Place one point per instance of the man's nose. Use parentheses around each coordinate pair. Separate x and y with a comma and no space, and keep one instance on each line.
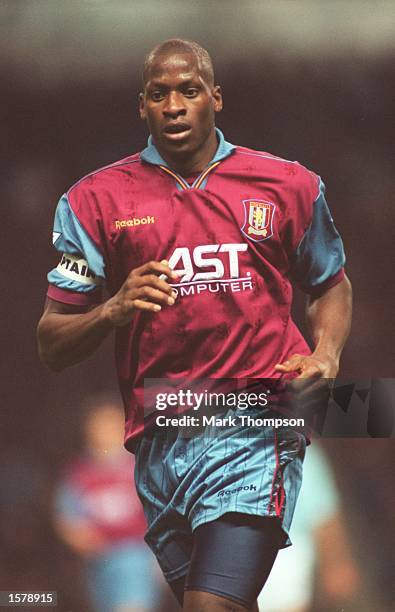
(175,105)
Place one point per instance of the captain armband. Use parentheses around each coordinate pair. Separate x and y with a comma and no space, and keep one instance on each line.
(75,268)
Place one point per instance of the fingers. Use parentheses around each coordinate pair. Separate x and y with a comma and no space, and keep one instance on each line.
(152,281)
(145,289)
(306,365)
(147,284)
(153,274)
(159,268)
(150,294)
(147,306)
(293,364)
(310,371)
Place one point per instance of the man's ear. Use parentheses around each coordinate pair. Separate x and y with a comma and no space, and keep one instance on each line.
(143,114)
(218,102)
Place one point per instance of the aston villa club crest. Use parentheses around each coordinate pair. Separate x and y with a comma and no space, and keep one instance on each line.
(258,223)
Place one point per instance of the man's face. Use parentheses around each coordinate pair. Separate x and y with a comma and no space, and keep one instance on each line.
(179,106)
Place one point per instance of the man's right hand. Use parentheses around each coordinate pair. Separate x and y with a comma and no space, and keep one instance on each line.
(68,334)
(144,290)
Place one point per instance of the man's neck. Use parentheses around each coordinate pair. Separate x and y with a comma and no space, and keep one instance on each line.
(197,162)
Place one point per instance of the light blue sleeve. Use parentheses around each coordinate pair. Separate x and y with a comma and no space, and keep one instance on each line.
(320,254)
(81,267)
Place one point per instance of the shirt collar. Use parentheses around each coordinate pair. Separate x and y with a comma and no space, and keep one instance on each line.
(151,154)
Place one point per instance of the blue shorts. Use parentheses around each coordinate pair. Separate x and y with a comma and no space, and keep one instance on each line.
(184,482)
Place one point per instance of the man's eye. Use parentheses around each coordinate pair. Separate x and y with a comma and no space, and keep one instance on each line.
(191,92)
(157,96)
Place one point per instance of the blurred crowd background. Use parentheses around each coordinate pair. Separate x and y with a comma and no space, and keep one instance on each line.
(306,80)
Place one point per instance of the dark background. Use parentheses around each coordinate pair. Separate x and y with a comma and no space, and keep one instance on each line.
(69,85)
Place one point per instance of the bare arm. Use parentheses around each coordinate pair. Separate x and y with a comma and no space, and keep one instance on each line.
(329,317)
(69,334)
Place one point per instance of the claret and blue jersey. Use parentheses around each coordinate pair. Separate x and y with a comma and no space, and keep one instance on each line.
(237,235)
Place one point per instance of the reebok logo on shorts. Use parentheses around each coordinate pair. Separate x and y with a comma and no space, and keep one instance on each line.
(237,490)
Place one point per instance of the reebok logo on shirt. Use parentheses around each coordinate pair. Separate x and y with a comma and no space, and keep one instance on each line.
(122,223)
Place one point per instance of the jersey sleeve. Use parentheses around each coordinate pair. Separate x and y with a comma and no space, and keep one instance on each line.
(80,274)
(319,259)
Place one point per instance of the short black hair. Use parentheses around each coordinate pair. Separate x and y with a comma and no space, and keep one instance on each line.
(178,45)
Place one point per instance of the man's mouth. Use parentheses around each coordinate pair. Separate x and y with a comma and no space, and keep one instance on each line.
(176,131)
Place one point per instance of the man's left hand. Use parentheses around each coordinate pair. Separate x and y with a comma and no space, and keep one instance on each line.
(310,366)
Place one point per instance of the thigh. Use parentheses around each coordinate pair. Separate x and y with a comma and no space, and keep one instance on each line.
(233,555)
(169,533)
(178,587)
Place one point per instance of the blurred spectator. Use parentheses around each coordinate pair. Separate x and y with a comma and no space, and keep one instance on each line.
(99,516)
(320,547)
